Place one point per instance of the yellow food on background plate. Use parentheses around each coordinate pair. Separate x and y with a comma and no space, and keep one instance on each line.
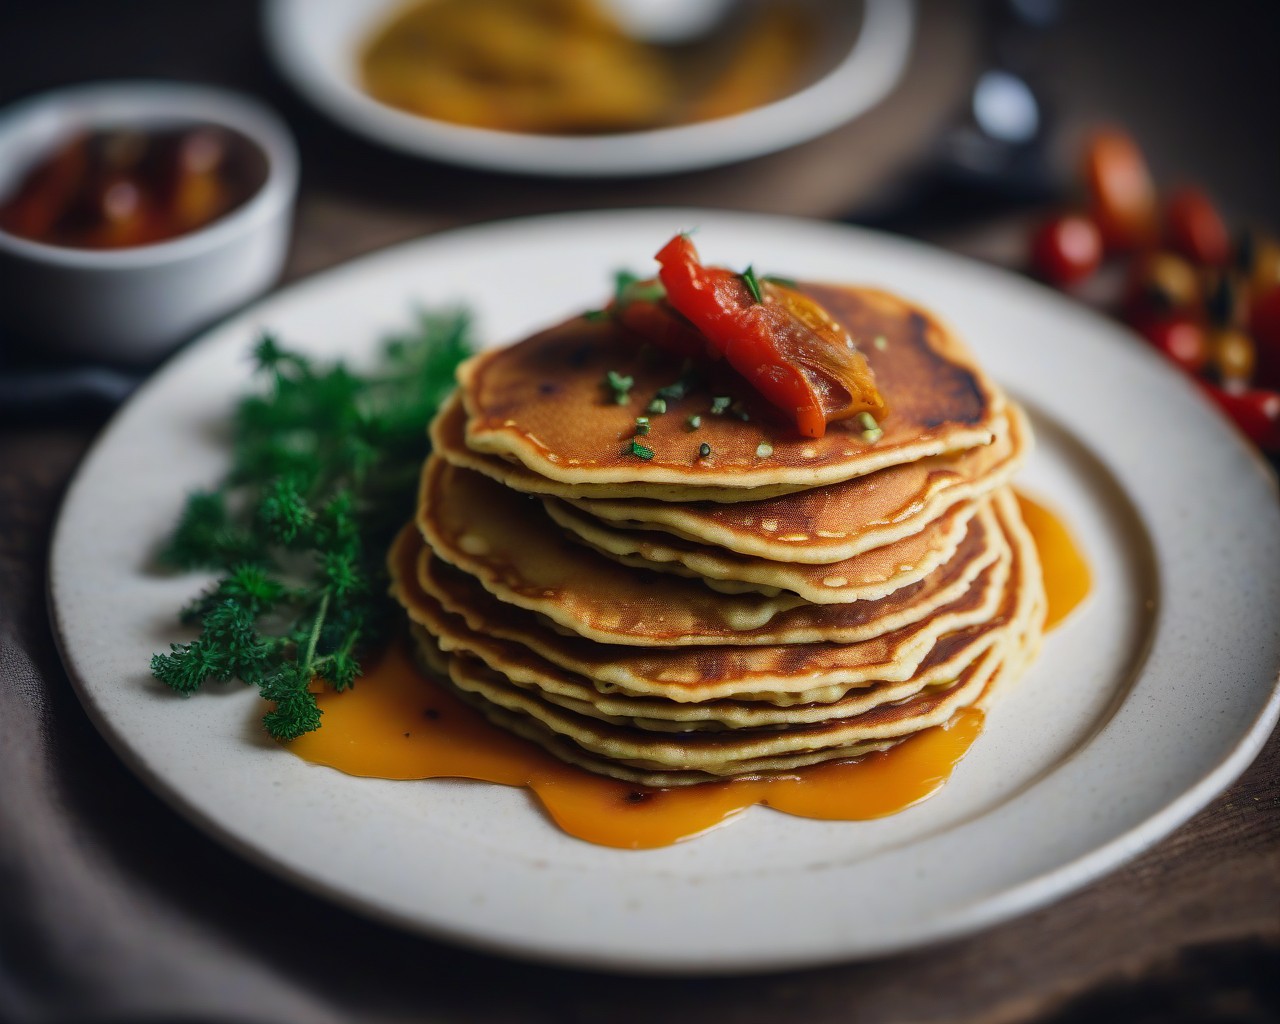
(565,67)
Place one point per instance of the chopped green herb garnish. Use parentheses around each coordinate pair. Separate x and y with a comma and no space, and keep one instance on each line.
(694,422)
(620,386)
(881,342)
(872,435)
(785,282)
(719,404)
(753,284)
(640,451)
(642,424)
(658,405)
(704,450)
(867,421)
(763,450)
(596,315)
(324,469)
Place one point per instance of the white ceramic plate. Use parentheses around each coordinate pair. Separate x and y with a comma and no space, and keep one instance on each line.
(315,44)
(1150,700)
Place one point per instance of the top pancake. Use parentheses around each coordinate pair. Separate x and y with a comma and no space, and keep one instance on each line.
(542,403)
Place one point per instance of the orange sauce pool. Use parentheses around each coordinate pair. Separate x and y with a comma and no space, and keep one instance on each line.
(1066,573)
(399,724)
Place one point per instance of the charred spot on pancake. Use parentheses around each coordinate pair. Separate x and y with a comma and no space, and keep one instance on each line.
(915,355)
(638,796)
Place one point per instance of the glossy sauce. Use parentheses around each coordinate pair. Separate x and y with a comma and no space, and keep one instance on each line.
(122,187)
(398,724)
(1067,580)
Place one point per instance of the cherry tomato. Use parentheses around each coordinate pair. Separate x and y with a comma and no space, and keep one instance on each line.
(1256,413)
(1122,193)
(1181,339)
(1264,324)
(1194,228)
(1066,249)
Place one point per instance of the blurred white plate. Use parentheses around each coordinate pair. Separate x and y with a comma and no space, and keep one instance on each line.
(1150,700)
(315,44)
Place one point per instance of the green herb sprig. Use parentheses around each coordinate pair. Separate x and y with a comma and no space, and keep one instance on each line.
(323,472)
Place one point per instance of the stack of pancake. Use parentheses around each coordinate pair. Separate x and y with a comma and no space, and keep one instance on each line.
(718,597)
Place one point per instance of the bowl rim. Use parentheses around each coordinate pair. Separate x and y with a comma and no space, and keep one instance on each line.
(874,64)
(144,101)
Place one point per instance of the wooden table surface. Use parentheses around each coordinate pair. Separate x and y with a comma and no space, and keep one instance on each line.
(1188,931)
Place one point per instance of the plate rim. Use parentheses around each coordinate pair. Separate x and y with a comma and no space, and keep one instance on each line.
(1030,894)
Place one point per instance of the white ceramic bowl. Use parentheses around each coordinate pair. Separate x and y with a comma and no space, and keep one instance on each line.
(132,305)
(315,43)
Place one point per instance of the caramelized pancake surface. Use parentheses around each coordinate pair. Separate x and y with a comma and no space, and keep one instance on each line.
(509,544)
(724,684)
(828,524)
(864,577)
(542,403)
(782,674)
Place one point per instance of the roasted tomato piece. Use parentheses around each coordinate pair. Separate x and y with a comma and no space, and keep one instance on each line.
(1182,339)
(642,307)
(1066,249)
(784,344)
(1122,192)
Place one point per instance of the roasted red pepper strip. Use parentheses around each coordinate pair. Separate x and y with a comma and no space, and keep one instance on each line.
(786,346)
(656,321)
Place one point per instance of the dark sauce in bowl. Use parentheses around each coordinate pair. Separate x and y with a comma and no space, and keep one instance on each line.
(117,188)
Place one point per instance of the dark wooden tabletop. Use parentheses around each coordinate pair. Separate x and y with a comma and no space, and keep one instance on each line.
(1188,931)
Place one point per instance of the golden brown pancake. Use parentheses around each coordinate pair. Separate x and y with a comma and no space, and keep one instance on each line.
(457,609)
(864,577)
(543,404)
(520,666)
(725,753)
(832,523)
(507,542)
(707,595)
(963,631)
(565,716)
(1029,614)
